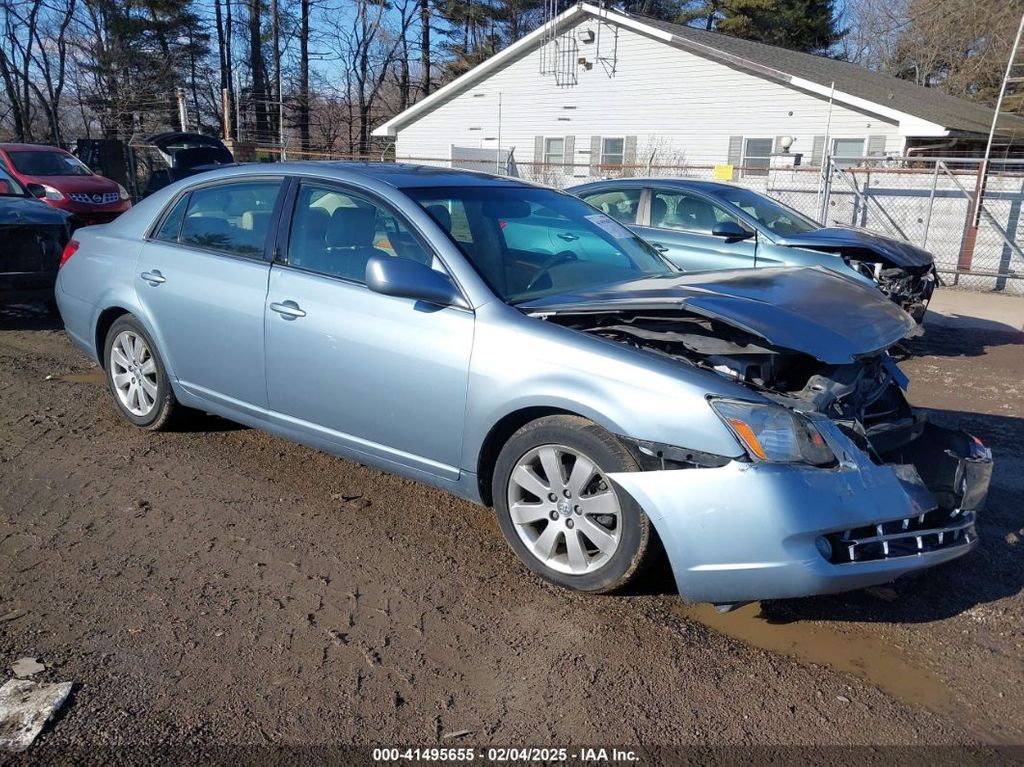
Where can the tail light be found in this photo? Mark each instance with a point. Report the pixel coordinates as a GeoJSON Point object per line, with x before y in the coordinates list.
{"type": "Point", "coordinates": [69, 251]}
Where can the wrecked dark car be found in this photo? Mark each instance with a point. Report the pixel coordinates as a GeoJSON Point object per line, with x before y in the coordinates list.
{"type": "Point", "coordinates": [34, 236]}
{"type": "Point", "coordinates": [176, 155]}
{"type": "Point", "coordinates": [513, 345]}
{"type": "Point", "coordinates": [703, 225]}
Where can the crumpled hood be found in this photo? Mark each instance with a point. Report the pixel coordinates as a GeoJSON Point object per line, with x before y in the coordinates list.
{"type": "Point", "coordinates": [840, 238]}
{"type": "Point", "coordinates": [29, 210]}
{"type": "Point", "coordinates": [813, 311]}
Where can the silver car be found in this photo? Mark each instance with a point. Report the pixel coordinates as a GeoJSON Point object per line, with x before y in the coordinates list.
{"type": "Point", "coordinates": [599, 399]}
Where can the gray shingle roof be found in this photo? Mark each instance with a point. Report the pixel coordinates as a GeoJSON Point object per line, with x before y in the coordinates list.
{"type": "Point", "coordinates": [928, 104]}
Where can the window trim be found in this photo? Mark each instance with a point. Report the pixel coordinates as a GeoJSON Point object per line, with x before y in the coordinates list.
{"type": "Point", "coordinates": [285, 227]}
{"type": "Point", "coordinates": [743, 160]}
{"type": "Point", "coordinates": [546, 154]}
{"type": "Point", "coordinates": [622, 162]}
{"type": "Point", "coordinates": [859, 157]}
{"type": "Point", "coordinates": [269, 246]}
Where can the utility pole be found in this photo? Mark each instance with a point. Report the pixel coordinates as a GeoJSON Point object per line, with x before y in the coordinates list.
{"type": "Point", "coordinates": [971, 234]}
{"type": "Point", "coordinates": [277, 65]}
{"type": "Point", "coordinates": [182, 108]}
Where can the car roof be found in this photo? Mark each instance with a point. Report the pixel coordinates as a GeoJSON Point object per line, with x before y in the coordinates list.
{"type": "Point", "coordinates": [397, 175]}
{"type": "Point", "coordinates": [32, 148]}
{"type": "Point", "coordinates": [710, 187]}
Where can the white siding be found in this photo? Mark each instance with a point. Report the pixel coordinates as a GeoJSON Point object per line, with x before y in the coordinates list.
{"type": "Point", "coordinates": [677, 104]}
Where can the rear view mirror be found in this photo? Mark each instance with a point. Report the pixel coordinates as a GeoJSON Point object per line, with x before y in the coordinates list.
{"type": "Point", "coordinates": [36, 190]}
{"type": "Point", "coordinates": [401, 277]}
{"type": "Point", "coordinates": [731, 230]}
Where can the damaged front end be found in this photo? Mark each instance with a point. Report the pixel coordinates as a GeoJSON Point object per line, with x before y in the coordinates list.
{"type": "Point", "coordinates": [856, 488]}
{"type": "Point", "coordinates": [910, 287]}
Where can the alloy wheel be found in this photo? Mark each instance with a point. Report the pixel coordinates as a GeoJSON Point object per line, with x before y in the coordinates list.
{"type": "Point", "coordinates": [564, 509]}
{"type": "Point", "coordinates": [133, 373]}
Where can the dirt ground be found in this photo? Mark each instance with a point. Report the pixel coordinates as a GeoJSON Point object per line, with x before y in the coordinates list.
{"type": "Point", "coordinates": [220, 586]}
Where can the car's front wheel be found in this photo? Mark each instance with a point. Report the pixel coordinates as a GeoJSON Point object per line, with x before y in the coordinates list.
{"type": "Point", "coordinates": [136, 376]}
{"type": "Point", "coordinates": [559, 511]}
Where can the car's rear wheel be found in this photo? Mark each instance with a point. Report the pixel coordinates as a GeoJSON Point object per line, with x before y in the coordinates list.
{"type": "Point", "coordinates": [559, 511]}
{"type": "Point", "coordinates": [136, 376]}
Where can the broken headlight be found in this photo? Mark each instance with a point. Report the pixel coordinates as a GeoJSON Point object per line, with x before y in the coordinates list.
{"type": "Point", "coordinates": [772, 434]}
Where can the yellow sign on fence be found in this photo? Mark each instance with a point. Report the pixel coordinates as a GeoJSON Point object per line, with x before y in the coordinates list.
{"type": "Point", "coordinates": [723, 172]}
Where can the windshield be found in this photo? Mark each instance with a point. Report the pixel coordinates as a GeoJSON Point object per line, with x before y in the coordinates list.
{"type": "Point", "coordinates": [528, 242]}
{"type": "Point", "coordinates": [44, 163]}
{"type": "Point", "coordinates": [774, 215]}
{"type": "Point", "coordinates": [9, 186]}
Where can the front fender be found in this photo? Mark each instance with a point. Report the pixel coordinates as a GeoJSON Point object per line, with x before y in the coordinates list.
{"type": "Point", "coordinates": [523, 362]}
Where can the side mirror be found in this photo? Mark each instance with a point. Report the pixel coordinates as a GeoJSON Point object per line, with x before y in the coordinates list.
{"type": "Point", "coordinates": [731, 230]}
{"type": "Point", "coordinates": [410, 279]}
{"type": "Point", "coordinates": [36, 190]}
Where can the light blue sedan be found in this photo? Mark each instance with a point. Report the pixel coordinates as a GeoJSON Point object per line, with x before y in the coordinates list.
{"type": "Point", "coordinates": [709, 225]}
{"type": "Point", "coordinates": [600, 399]}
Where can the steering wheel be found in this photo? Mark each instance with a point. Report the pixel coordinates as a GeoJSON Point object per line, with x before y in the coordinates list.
{"type": "Point", "coordinates": [562, 257]}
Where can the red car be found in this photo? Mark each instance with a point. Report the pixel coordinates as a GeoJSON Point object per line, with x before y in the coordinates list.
{"type": "Point", "coordinates": [63, 181]}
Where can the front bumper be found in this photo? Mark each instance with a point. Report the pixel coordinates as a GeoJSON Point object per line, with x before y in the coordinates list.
{"type": "Point", "coordinates": [745, 531]}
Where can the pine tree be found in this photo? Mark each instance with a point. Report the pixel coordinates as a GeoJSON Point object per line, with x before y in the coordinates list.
{"type": "Point", "coordinates": [811, 26]}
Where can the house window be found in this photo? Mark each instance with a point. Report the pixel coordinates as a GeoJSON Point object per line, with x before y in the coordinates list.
{"type": "Point", "coordinates": [757, 153]}
{"type": "Point", "coordinates": [554, 151]}
{"type": "Point", "coordinates": [847, 152]}
{"type": "Point", "coordinates": [613, 151]}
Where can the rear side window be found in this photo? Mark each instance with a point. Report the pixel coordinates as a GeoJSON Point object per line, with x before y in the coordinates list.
{"type": "Point", "coordinates": [169, 229]}
{"type": "Point", "coordinates": [620, 204]}
{"type": "Point", "coordinates": [230, 218]}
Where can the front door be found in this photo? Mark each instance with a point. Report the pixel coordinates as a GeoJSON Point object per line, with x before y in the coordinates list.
{"type": "Point", "coordinates": [680, 225]}
{"type": "Point", "coordinates": [202, 279]}
{"type": "Point", "coordinates": [370, 373]}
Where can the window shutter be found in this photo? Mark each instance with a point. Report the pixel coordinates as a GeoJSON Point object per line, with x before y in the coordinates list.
{"type": "Point", "coordinates": [595, 155]}
{"type": "Point", "coordinates": [876, 146]}
{"type": "Point", "coordinates": [538, 149]}
{"type": "Point", "coordinates": [570, 153]}
{"type": "Point", "coordinates": [735, 154]}
{"type": "Point", "coordinates": [817, 151]}
{"type": "Point", "coordinates": [629, 156]}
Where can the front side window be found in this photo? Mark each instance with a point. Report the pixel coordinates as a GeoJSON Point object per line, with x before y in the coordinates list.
{"type": "Point", "coordinates": [336, 233]}
{"type": "Point", "coordinates": [530, 242]}
{"type": "Point", "coordinates": [620, 204]}
{"type": "Point", "coordinates": [43, 163]}
{"type": "Point", "coordinates": [775, 216]}
{"type": "Point", "coordinates": [686, 212]}
{"type": "Point", "coordinates": [170, 228]}
{"type": "Point", "coordinates": [847, 152]}
{"type": "Point", "coordinates": [554, 151]}
{"type": "Point", "coordinates": [612, 151]}
{"type": "Point", "coordinates": [9, 186]}
{"type": "Point", "coordinates": [757, 153]}
{"type": "Point", "coordinates": [231, 218]}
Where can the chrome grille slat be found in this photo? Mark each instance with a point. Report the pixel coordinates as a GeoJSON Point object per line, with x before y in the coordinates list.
{"type": "Point", "coordinates": [918, 534]}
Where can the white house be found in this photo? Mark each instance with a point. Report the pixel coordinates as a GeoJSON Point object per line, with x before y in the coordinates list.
{"type": "Point", "coordinates": [597, 87]}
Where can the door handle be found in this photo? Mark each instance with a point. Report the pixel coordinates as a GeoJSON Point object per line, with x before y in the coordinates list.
{"type": "Point", "coordinates": [568, 237]}
{"type": "Point", "coordinates": [288, 310]}
{"type": "Point", "coordinates": [154, 277]}
{"type": "Point", "coordinates": [659, 247]}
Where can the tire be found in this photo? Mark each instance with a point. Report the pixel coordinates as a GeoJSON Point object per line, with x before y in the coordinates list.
{"type": "Point", "coordinates": [157, 408]}
{"type": "Point", "coordinates": [601, 521]}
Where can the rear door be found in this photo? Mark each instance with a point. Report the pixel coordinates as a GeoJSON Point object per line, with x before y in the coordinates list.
{"type": "Point", "coordinates": [202, 279]}
{"type": "Point", "coordinates": [679, 224]}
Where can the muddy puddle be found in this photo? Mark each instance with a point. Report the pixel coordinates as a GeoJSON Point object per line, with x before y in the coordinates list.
{"type": "Point", "coordinates": [94, 377]}
{"type": "Point", "coordinates": [861, 655]}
